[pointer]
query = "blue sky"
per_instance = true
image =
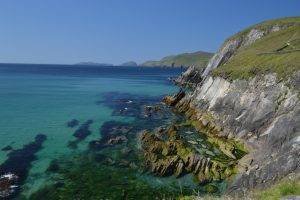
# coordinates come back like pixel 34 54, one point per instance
pixel 115 31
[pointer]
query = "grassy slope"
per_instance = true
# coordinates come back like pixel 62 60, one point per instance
pixel 198 59
pixel 284 188
pixel 258 57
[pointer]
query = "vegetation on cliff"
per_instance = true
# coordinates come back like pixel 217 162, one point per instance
pixel 277 52
pixel 198 59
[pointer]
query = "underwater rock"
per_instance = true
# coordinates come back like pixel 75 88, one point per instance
pixel 112 132
pixel 73 144
pixel 53 166
pixel 19 160
pixel 130 105
pixel 124 163
pixel 83 131
pixel 73 123
pixel 114 128
pixel 100 157
pixel 155 111
pixel 125 151
pixel 116 140
pixel 7 148
pixel 211 188
pixel 8 185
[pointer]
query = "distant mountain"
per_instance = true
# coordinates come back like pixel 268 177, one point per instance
pixel 198 59
pixel 94 64
pixel 130 63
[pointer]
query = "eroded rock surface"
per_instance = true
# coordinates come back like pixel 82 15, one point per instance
pixel 166 154
pixel 262 112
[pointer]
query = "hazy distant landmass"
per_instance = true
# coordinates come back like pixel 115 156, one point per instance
pixel 94 64
pixel 198 59
pixel 129 63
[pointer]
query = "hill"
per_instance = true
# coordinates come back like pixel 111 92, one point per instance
pixel 198 59
pixel 93 64
pixel 278 51
pixel 129 64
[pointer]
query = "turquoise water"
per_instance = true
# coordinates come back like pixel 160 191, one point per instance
pixel 43 98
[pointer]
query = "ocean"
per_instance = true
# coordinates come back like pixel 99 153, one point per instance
pixel 50 114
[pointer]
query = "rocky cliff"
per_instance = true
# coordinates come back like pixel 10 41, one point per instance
pixel 259 107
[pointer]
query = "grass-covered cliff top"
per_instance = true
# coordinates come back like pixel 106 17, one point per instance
pixel 198 59
pixel 277 52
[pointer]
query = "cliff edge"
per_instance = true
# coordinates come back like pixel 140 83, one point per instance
pixel 249 92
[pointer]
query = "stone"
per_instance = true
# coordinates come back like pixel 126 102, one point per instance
pixel 72 123
pixel 117 140
pixel 172 101
pixel 7 148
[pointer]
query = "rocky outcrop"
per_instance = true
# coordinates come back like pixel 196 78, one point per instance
pixel 193 76
pixel 173 100
pixel 190 77
pixel 262 112
pixel 166 154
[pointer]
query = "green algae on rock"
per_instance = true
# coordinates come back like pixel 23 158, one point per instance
pixel 167 153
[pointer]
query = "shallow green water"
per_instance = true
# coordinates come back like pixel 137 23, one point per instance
pixel 41 99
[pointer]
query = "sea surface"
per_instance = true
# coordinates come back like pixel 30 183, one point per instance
pixel 39 100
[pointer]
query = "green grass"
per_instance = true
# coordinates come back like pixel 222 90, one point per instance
pixel 261 57
pixel 287 21
pixel 198 59
pixel 282 189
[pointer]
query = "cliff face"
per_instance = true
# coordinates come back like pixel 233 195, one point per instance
pixel 262 111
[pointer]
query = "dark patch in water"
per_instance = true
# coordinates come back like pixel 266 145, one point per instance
pixel 112 132
pixel 72 123
pixel 19 161
pixel 126 104
pixel 83 131
pixel 7 148
pixel 53 166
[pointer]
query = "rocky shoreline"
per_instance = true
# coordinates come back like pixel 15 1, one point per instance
pixel 261 113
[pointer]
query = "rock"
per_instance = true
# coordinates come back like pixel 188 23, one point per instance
pixel 109 161
pixel 210 153
pixel 117 140
pixel 132 165
pixel 7 148
pixel 8 185
pixel 173 100
pixel 179 169
pixel 83 131
pixel 100 157
pixel 211 188
pixel 125 151
pixel 53 166
pixel 192 142
pixel 124 163
pixel 291 198
pixel 261 112
pixel 170 156
pixel 73 123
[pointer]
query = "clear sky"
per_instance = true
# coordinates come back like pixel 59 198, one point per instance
pixel 115 31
